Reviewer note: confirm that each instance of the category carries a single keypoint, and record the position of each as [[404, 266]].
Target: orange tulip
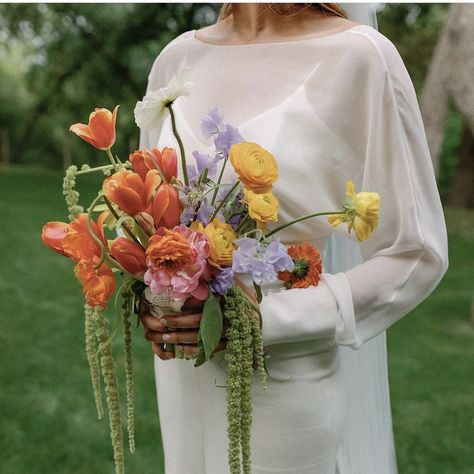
[[53, 234], [73, 240], [166, 207], [97, 285], [131, 194], [100, 132], [130, 255], [78, 243], [145, 160]]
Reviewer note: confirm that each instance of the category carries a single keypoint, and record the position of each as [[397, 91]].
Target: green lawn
[[48, 423]]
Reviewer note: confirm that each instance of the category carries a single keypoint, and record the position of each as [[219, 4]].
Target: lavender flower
[[222, 280], [262, 260], [212, 123], [226, 138]]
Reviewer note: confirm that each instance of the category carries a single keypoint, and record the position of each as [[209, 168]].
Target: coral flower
[[307, 267], [131, 194], [100, 132], [73, 240], [177, 263], [53, 234], [130, 255], [362, 212], [166, 207], [146, 160], [97, 285]]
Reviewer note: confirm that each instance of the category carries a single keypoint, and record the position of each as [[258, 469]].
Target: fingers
[[184, 321], [153, 323], [193, 303], [184, 337], [193, 349], [159, 350], [250, 292]]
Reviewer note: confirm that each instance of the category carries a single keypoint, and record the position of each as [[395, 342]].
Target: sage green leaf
[[211, 325]]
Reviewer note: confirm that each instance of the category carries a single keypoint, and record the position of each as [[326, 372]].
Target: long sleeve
[[407, 255]]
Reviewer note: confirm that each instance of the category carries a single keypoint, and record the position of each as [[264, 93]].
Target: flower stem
[[221, 205], [221, 174], [112, 159], [93, 170], [124, 225], [180, 144], [302, 218]]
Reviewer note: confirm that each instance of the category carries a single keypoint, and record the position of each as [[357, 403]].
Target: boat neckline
[[273, 43]]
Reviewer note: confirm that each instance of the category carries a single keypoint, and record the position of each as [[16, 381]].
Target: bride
[[329, 96]]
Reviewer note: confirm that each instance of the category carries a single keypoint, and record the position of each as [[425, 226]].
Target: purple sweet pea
[[222, 280], [261, 260], [212, 123], [226, 138], [205, 212]]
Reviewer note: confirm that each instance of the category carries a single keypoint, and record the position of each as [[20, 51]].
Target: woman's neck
[[252, 21]]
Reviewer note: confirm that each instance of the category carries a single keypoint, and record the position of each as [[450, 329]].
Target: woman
[[331, 99]]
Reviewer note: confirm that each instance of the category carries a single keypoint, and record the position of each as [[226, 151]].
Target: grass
[[48, 423]]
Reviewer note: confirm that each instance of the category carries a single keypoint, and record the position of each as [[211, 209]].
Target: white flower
[[150, 111]]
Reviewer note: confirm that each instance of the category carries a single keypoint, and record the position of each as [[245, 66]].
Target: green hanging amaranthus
[[244, 352]]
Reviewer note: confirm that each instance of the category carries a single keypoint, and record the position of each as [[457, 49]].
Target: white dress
[[330, 109]]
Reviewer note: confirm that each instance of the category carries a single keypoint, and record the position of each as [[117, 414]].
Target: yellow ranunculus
[[263, 207], [256, 167], [362, 212], [221, 237]]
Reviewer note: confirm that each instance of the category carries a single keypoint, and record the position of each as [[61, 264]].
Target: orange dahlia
[[307, 267]]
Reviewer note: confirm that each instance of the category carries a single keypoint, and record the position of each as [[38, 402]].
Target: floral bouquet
[[182, 237]]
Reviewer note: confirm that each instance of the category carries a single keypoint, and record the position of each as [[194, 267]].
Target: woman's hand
[[180, 328]]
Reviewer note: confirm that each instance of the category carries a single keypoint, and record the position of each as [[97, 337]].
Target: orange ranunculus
[[130, 255], [53, 234], [97, 285], [100, 132], [78, 244], [146, 160], [169, 250], [166, 207], [131, 194]]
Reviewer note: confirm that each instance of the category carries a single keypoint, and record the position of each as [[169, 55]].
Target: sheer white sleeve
[[407, 255]]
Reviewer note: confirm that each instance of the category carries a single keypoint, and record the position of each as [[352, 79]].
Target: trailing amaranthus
[[111, 387], [70, 194], [91, 352], [243, 349], [127, 305]]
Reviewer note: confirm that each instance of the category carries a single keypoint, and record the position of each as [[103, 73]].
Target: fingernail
[[166, 337], [164, 321]]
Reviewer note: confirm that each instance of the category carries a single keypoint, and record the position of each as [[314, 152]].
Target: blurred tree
[[449, 82], [81, 56]]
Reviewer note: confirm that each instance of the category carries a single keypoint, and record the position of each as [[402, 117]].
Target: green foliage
[[211, 325], [76, 57]]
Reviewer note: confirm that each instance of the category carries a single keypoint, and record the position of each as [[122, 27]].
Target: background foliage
[[58, 62]]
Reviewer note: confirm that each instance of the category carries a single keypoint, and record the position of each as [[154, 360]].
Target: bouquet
[[182, 237]]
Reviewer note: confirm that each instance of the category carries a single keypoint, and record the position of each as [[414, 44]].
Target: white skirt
[[297, 424]]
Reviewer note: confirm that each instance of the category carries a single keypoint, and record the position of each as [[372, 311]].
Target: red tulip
[[145, 160], [129, 192], [130, 255], [166, 207], [100, 132]]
